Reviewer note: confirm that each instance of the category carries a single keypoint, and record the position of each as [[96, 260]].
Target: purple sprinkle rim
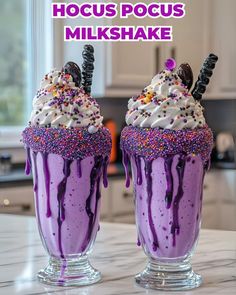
[[152, 143], [71, 144]]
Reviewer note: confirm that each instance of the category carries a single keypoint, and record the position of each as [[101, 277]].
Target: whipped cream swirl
[[166, 103], [59, 103]]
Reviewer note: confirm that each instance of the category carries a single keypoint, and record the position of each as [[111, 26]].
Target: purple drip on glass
[[79, 168], [36, 190], [60, 198], [138, 242], [169, 180], [35, 174], [47, 182], [125, 161], [94, 184], [105, 165], [138, 167], [148, 172], [28, 162], [180, 171]]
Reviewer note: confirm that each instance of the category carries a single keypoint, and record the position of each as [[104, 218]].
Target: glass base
[[168, 276], [69, 272]]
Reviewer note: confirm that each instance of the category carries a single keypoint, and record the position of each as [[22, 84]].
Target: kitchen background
[[32, 43]]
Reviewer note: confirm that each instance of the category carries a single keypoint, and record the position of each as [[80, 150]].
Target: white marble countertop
[[115, 255]]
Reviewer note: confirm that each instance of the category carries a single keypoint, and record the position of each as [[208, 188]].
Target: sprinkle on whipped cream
[[166, 103], [60, 104]]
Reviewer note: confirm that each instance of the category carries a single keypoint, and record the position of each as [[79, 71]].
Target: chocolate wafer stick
[[204, 76], [88, 67]]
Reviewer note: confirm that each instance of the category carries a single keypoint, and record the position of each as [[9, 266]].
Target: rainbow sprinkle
[[73, 143], [151, 143]]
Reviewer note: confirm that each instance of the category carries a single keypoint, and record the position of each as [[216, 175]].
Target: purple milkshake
[[68, 150], [168, 145], [177, 179]]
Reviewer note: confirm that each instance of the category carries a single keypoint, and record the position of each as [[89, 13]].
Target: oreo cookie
[[74, 70], [186, 75]]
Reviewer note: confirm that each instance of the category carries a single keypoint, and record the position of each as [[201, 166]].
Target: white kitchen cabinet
[[125, 68], [220, 185], [20, 200], [130, 219], [210, 189], [208, 26], [17, 200], [223, 42], [131, 65], [227, 217], [105, 201], [123, 201], [190, 36], [219, 200], [117, 200], [209, 216]]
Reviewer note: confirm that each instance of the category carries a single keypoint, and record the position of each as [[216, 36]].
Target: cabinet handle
[[173, 53], [157, 55], [127, 195], [205, 186], [21, 207]]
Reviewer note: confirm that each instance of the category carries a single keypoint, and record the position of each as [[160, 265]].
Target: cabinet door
[[224, 43], [130, 219], [228, 217], [190, 35], [220, 186], [105, 193], [209, 217], [210, 191], [122, 198], [18, 200], [219, 205], [131, 65]]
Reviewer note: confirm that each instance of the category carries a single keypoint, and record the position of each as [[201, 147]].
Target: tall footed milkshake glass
[[67, 150], [168, 144]]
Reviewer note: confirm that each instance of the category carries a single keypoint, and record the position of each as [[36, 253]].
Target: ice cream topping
[[166, 103], [60, 103], [65, 119]]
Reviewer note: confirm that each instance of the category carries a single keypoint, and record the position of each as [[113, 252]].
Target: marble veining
[[115, 255]]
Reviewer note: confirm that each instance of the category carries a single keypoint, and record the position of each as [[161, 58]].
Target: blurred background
[[32, 43]]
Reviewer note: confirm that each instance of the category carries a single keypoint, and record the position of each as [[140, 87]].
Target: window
[[25, 54], [13, 62]]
